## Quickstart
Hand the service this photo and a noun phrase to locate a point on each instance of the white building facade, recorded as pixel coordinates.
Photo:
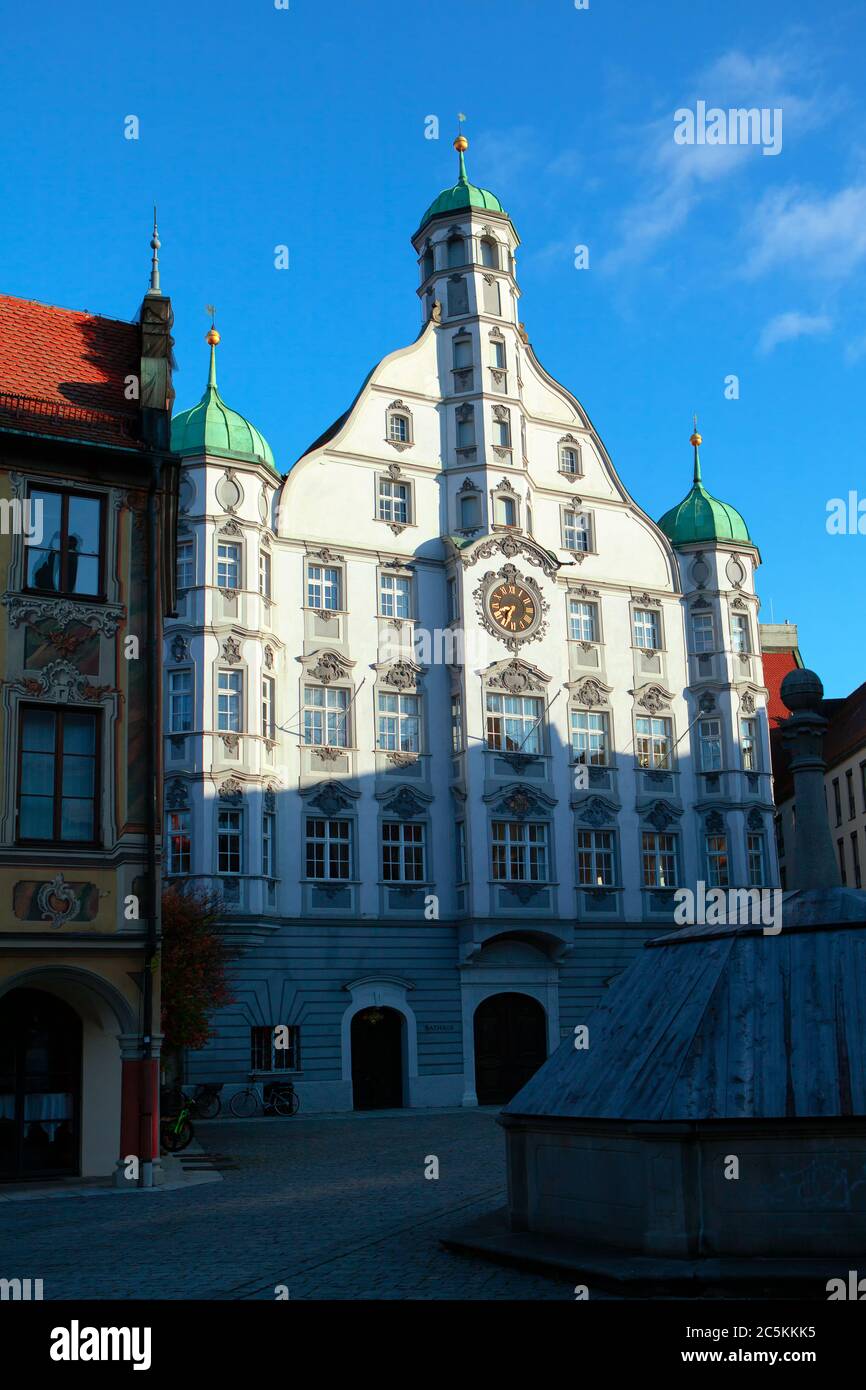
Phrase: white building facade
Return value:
(448, 716)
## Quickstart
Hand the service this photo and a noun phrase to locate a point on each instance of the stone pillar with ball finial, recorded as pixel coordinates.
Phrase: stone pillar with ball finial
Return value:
(814, 862)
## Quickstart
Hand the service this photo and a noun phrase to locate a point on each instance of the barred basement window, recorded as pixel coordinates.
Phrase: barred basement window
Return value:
(266, 1056)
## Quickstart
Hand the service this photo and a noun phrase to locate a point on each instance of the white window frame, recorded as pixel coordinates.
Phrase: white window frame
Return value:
(750, 743)
(659, 851)
(717, 859)
(395, 596)
(230, 837)
(596, 852)
(710, 743)
(642, 628)
(186, 697)
(590, 741)
(329, 716)
(230, 563)
(583, 621)
(394, 501)
(577, 530)
(703, 633)
(408, 840)
(185, 571)
(334, 837)
(324, 587)
(514, 723)
(520, 851)
(654, 745)
(265, 570)
(398, 722)
(269, 709)
(178, 827)
(230, 701)
(269, 844)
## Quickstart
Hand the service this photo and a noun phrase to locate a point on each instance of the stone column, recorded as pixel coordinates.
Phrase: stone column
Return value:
(814, 862)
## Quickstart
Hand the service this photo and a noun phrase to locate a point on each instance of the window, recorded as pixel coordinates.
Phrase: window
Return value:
(228, 565)
(837, 800)
(230, 693)
(491, 297)
(398, 428)
(710, 741)
(178, 842)
(569, 459)
(717, 860)
(266, 1056)
(582, 621)
(179, 702)
(590, 737)
(427, 263)
(849, 783)
(497, 354)
(453, 601)
(757, 856)
(269, 844)
(843, 872)
(68, 558)
(402, 852)
(855, 859)
(646, 628)
(489, 253)
(502, 429)
(393, 501)
(595, 858)
(863, 784)
(514, 723)
(703, 634)
(265, 573)
(57, 782)
(324, 588)
(457, 723)
(470, 511)
(462, 354)
(520, 851)
(658, 860)
(398, 725)
(465, 427)
(505, 511)
(325, 716)
(654, 739)
(576, 530)
(185, 564)
(229, 829)
(393, 596)
(749, 744)
(456, 251)
(460, 850)
(269, 724)
(740, 632)
(329, 849)
(458, 296)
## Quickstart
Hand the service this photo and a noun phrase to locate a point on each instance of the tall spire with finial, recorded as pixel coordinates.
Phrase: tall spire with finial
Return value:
(154, 265)
(461, 144)
(697, 440)
(212, 337)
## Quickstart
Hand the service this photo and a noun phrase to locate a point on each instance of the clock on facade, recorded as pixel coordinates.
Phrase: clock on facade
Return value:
(512, 608)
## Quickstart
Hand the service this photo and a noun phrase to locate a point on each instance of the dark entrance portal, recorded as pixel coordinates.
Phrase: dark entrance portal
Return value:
(377, 1059)
(40, 1085)
(510, 1045)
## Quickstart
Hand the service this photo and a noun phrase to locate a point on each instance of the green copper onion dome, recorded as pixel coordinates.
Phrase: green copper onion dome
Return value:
(212, 428)
(701, 517)
(464, 194)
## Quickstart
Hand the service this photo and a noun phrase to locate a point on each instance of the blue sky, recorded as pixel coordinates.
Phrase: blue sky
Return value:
(306, 127)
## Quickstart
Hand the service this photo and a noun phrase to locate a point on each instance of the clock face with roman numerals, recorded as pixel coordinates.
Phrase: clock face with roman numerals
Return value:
(512, 608)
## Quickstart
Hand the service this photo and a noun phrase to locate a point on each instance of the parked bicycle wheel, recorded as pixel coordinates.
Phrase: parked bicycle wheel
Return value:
(244, 1104)
(286, 1102)
(176, 1136)
(208, 1104)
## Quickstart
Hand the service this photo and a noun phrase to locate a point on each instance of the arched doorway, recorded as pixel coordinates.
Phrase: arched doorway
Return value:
(510, 1045)
(40, 1085)
(377, 1059)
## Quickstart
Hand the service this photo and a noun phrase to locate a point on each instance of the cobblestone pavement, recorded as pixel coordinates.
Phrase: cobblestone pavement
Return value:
(330, 1206)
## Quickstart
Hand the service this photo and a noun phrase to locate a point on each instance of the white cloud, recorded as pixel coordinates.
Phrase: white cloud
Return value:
(820, 235)
(784, 328)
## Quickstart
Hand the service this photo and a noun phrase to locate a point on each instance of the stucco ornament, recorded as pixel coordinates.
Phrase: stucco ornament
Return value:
(57, 901)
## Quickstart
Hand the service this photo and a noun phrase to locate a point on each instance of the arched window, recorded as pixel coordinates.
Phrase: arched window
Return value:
(489, 253)
(456, 251)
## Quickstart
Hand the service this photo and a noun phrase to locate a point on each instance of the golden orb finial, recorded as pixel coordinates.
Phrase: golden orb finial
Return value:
(696, 439)
(461, 144)
(212, 337)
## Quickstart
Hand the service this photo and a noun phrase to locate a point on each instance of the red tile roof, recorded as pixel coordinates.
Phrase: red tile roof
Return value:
(62, 372)
(776, 667)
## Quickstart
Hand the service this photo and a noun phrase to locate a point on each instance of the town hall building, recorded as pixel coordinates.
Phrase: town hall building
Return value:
(448, 716)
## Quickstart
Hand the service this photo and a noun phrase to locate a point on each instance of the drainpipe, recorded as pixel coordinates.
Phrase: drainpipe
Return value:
(148, 1088)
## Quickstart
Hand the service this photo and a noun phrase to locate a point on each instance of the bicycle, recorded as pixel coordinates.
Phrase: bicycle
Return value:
(277, 1096)
(204, 1102)
(176, 1131)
